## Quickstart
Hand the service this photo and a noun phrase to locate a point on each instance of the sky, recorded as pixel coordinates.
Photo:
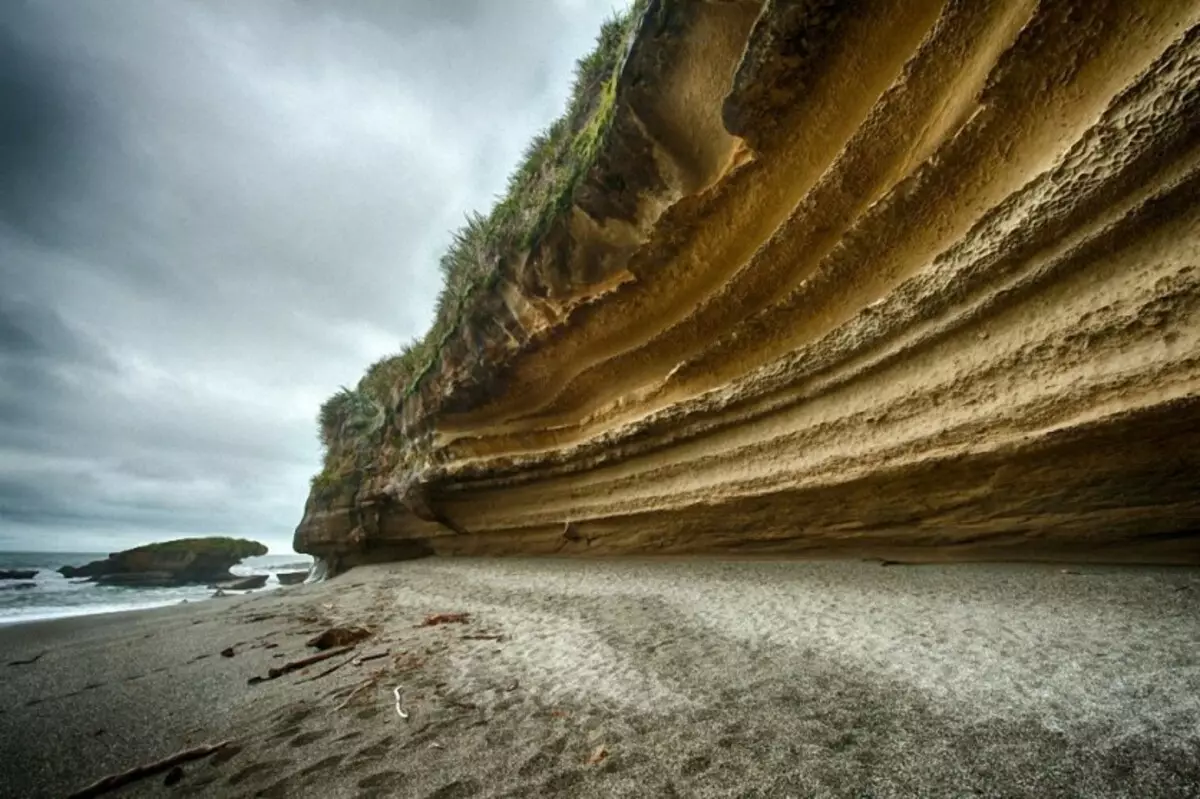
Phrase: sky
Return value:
(213, 214)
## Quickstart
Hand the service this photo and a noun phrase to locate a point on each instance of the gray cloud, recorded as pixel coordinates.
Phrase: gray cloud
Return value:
(212, 215)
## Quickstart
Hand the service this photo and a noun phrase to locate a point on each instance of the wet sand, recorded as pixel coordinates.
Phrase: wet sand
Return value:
(633, 678)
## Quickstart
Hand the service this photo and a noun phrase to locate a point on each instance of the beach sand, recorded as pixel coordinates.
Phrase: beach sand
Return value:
(633, 678)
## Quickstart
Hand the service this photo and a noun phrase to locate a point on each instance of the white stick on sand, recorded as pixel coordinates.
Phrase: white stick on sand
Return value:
(399, 711)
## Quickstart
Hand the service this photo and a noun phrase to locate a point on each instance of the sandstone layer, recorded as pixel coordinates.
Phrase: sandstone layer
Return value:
(903, 278)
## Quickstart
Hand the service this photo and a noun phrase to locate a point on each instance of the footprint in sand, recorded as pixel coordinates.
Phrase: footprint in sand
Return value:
(306, 738)
(375, 750)
(561, 783)
(286, 732)
(538, 763)
(459, 789)
(257, 769)
(295, 717)
(281, 789)
(382, 779)
(331, 762)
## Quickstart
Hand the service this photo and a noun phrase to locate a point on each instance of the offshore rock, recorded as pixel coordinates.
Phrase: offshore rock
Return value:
(249, 583)
(291, 578)
(910, 278)
(179, 562)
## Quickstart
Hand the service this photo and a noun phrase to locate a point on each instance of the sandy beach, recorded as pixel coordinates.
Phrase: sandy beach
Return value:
(631, 678)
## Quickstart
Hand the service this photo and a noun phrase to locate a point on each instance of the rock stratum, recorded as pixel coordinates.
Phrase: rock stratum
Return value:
(905, 279)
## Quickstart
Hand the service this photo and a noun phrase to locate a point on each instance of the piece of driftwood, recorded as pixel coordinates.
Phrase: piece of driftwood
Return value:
(28, 661)
(115, 781)
(330, 670)
(278, 671)
(367, 683)
(434, 619)
(358, 661)
(482, 637)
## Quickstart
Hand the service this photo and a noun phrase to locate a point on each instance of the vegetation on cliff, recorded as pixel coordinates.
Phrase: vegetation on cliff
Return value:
(354, 421)
(215, 545)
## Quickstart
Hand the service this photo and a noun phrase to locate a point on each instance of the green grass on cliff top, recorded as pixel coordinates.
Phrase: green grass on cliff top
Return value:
(234, 547)
(352, 422)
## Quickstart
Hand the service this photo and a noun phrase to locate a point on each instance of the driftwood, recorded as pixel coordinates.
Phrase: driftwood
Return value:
(435, 619)
(367, 683)
(28, 661)
(330, 670)
(361, 659)
(278, 671)
(115, 781)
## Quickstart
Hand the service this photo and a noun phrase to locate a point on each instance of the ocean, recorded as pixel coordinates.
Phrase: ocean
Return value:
(55, 597)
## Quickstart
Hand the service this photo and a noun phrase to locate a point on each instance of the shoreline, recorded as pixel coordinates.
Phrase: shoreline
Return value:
(8, 622)
(52, 596)
(632, 678)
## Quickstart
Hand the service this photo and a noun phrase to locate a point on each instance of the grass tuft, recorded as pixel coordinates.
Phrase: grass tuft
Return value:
(353, 422)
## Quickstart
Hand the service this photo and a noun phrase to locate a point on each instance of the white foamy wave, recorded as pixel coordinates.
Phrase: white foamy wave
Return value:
(48, 613)
(55, 597)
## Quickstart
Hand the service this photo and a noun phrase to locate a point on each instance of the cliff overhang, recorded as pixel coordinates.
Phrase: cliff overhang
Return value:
(904, 279)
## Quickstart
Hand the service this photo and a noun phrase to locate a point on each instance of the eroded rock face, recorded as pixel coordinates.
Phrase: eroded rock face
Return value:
(903, 277)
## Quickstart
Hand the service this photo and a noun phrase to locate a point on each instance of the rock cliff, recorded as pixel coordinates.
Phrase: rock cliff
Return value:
(897, 278)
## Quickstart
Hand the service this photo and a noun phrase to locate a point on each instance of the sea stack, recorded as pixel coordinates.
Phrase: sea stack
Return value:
(180, 562)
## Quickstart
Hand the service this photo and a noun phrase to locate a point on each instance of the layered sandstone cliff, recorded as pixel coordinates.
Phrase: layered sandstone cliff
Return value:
(906, 278)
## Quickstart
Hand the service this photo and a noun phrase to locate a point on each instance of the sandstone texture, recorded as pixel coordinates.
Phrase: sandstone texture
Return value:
(907, 279)
(179, 562)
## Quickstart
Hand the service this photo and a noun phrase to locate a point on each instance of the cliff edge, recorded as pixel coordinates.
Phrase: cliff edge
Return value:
(903, 279)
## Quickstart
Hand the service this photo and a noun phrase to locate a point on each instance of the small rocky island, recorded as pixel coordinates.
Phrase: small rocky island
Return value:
(184, 561)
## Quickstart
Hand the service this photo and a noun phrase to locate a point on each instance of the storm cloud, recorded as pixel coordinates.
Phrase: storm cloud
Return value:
(214, 214)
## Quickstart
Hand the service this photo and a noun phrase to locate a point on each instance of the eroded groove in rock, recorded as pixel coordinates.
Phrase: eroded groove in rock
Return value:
(895, 276)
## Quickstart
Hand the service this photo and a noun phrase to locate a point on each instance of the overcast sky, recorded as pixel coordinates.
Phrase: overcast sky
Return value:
(212, 214)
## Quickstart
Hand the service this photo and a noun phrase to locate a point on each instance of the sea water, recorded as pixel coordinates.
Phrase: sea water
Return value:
(53, 596)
